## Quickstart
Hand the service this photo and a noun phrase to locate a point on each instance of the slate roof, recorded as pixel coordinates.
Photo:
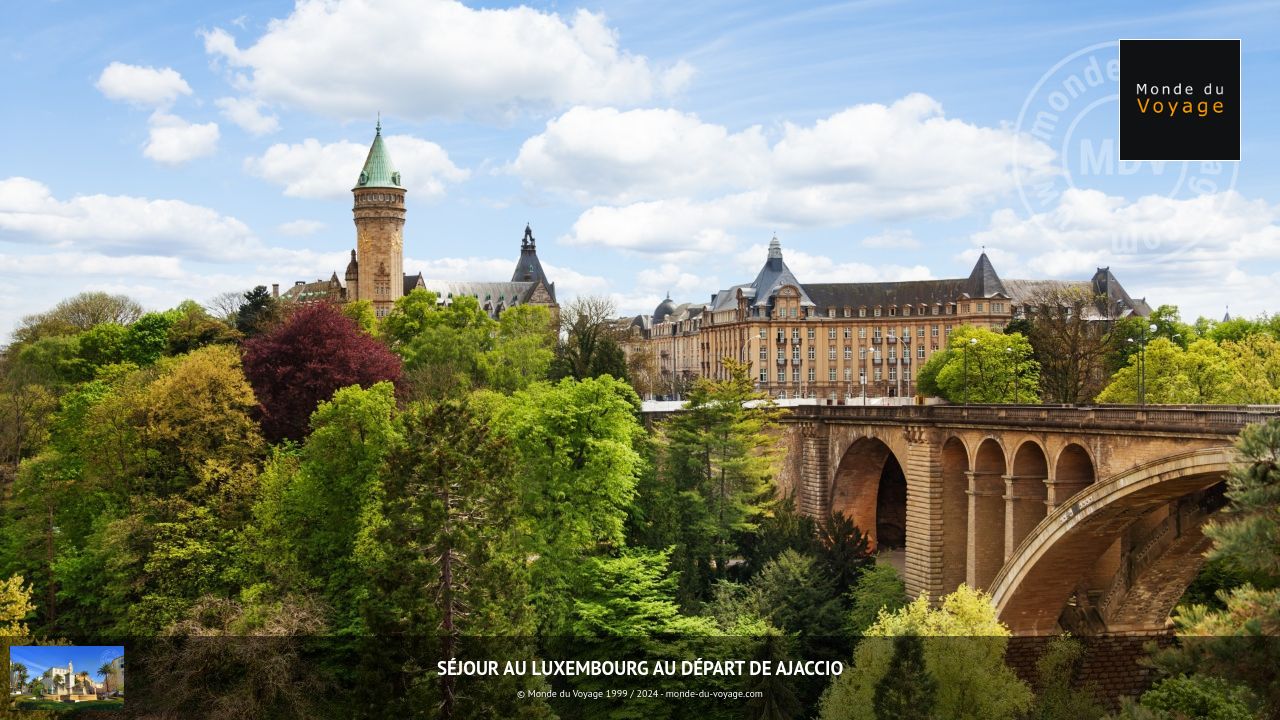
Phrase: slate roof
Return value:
(378, 172)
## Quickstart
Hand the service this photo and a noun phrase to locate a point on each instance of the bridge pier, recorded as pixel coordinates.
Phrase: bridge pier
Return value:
(926, 524)
(986, 526)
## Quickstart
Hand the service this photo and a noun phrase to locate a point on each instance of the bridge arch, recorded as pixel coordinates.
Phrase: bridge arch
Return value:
(1073, 470)
(1027, 493)
(1033, 587)
(955, 512)
(870, 488)
(986, 512)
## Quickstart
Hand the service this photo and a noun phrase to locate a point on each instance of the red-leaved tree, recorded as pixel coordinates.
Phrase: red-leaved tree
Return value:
(301, 362)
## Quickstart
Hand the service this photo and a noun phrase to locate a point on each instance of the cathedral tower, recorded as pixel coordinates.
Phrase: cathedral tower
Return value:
(378, 266)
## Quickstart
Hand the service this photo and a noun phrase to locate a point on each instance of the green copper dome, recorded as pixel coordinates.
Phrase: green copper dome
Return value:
(378, 171)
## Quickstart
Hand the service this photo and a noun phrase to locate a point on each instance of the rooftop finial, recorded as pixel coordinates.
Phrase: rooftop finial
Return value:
(527, 241)
(378, 128)
(775, 248)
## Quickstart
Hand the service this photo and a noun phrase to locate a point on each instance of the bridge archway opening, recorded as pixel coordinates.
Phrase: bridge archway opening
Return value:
(870, 488)
(1071, 473)
(1027, 494)
(986, 514)
(955, 513)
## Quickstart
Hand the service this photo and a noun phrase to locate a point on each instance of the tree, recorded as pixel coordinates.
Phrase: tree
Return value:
(575, 477)
(878, 589)
(993, 368)
(630, 595)
(720, 458)
(1255, 367)
(794, 594)
(442, 345)
(257, 312)
(907, 689)
(15, 606)
(522, 349)
(1194, 698)
(225, 306)
(147, 338)
(1237, 643)
(300, 363)
(1055, 698)
(78, 313)
(590, 348)
(844, 552)
(1165, 379)
(964, 647)
(192, 328)
(1070, 341)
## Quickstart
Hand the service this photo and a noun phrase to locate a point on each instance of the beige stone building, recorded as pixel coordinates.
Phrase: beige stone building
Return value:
(376, 271)
(834, 340)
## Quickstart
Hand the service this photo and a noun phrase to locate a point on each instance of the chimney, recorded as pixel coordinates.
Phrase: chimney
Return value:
(275, 289)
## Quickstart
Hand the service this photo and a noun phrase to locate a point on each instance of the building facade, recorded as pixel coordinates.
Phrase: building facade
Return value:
(376, 270)
(835, 340)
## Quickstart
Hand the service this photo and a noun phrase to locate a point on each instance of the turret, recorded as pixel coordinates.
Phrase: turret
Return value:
(379, 216)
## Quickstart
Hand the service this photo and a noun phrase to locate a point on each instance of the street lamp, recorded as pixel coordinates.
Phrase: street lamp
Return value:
(972, 342)
(1013, 374)
(1142, 362)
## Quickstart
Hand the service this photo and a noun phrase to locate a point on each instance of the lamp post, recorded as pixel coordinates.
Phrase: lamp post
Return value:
(972, 342)
(1142, 362)
(1013, 374)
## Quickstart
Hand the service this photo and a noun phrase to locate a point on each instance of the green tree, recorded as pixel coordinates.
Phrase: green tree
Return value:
(1237, 643)
(1166, 378)
(257, 311)
(361, 311)
(1255, 366)
(78, 313)
(720, 457)
(522, 349)
(590, 347)
(843, 551)
(1055, 698)
(964, 647)
(15, 606)
(907, 689)
(575, 476)
(982, 366)
(148, 338)
(442, 345)
(796, 595)
(878, 589)
(193, 327)
(101, 345)
(631, 595)
(1197, 698)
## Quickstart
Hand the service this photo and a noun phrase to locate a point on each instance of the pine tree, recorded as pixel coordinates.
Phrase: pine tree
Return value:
(907, 689)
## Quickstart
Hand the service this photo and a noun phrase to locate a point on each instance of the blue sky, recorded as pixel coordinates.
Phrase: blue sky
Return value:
(86, 658)
(170, 150)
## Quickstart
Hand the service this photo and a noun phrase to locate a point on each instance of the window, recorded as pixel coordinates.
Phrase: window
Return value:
(906, 310)
(795, 375)
(811, 331)
(782, 376)
(875, 334)
(966, 308)
(812, 375)
(862, 333)
(848, 333)
(831, 333)
(933, 331)
(893, 374)
(862, 376)
(848, 353)
(862, 312)
(920, 331)
(877, 312)
(831, 312)
(764, 375)
(813, 352)
(793, 311)
(795, 334)
(831, 375)
(893, 354)
(979, 307)
(862, 353)
(997, 307)
(893, 310)
(764, 353)
(906, 375)
(934, 348)
(879, 375)
(795, 353)
(920, 351)
(764, 334)
(831, 353)
(948, 332)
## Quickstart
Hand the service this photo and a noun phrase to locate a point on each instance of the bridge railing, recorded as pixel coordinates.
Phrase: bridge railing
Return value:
(1210, 418)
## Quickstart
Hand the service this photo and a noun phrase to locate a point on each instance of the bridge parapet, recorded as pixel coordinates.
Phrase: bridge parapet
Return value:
(1207, 418)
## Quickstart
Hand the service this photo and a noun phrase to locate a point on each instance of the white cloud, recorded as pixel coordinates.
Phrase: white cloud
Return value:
(118, 224)
(142, 85)
(674, 279)
(892, 240)
(810, 268)
(665, 179)
(248, 114)
(619, 157)
(1199, 252)
(300, 227)
(174, 141)
(313, 170)
(95, 264)
(347, 58)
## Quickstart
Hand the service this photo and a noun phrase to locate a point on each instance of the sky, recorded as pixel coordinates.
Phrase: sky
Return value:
(84, 658)
(171, 150)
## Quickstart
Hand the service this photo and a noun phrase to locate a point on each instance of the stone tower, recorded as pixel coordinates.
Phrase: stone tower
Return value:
(378, 265)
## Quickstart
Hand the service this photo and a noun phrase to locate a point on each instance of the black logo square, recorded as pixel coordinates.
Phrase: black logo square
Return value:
(1179, 100)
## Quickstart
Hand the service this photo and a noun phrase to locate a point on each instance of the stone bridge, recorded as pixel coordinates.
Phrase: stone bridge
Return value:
(1079, 518)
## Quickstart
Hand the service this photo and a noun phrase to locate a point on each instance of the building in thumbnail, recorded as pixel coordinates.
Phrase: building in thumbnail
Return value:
(376, 270)
(836, 340)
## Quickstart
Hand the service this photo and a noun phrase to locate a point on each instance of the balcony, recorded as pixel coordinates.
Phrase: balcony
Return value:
(906, 339)
(893, 360)
(892, 339)
(875, 340)
(906, 359)
(782, 360)
(782, 339)
(875, 361)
